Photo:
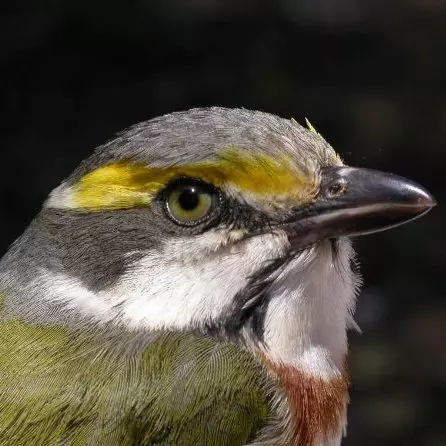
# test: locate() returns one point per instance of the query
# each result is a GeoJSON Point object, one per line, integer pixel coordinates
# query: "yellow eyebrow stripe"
{"type": "Point", "coordinates": [126, 185]}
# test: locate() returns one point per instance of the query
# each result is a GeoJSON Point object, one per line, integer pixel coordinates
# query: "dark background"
{"type": "Point", "coordinates": [370, 75]}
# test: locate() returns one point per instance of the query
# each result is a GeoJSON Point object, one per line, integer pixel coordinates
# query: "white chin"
{"type": "Point", "coordinates": [312, 303]}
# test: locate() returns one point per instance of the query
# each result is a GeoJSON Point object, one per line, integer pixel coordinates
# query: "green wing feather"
{"type": "Point", "coordinates": [73, 389]}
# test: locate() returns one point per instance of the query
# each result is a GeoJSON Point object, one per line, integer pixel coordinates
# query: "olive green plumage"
{"type": "Point", "coordinates": [62, 388]}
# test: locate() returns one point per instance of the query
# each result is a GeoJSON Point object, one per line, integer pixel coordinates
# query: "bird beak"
{"type": "Point", "coordinates": [355, 201]}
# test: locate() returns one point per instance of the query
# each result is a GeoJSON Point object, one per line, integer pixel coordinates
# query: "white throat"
{"type": "Point", "coordinates": [312, 305]}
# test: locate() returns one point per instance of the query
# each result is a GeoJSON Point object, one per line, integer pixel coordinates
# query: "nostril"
{"type": "Point", "coordinates": [337, 188]}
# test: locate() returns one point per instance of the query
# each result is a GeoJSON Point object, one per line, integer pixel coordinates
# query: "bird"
{"type": "Point", "coordinates": [191, 283]}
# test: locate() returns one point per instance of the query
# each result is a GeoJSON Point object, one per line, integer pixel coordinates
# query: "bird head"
{"type": "Point", "coordinates": [225, 221]}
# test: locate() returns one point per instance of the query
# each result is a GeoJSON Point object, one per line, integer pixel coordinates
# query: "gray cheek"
{"type": "Point", "coordinates": [97, 248]}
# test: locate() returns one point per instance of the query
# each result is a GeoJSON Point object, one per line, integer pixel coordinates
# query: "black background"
{"type": "Point", "coordinates": [370, 75]}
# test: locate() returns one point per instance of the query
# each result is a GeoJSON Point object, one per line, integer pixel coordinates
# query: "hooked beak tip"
{"type": "Point", "coordinates": [415, 198]}
{"type": "Point", "coordinates": [424, 201]}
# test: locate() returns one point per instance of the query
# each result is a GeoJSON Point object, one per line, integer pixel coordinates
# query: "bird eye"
{"type": "Point", "coordinates": [190, 202]}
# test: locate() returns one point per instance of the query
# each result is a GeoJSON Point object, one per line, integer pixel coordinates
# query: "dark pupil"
{"type": "Point", "coordinates": [189, 198]}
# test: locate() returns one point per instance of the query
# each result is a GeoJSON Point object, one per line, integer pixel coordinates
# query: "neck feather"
{"type": "Point", "coordinates": [310, 309]}
{"type": "Point", "coordinates": [306, 343]}
{"type": "Point", "coordinates": [316, 406]}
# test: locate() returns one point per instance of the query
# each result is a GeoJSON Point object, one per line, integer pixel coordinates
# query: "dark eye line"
{"type": "Point", "coordinates": [238, 215]}
{"type": "Point", "coordinates": [227, 211]}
